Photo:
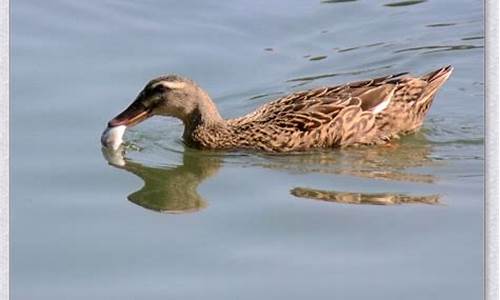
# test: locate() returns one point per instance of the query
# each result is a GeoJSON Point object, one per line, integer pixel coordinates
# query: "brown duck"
{"type": "Point", "coordinates": [359, 113]}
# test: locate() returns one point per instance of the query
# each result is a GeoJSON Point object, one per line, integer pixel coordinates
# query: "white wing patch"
{"type": "Point", "coordinates": [383, 105]}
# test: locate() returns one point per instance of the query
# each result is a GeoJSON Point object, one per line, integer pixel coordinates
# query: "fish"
{"type": "Point", "coordinates": [112, 137]}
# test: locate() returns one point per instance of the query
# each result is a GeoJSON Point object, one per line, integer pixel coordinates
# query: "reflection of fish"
{"type": "Point", "coordinates": [363, 198]}
{"type": "Point", "coordinates": [169, 190]}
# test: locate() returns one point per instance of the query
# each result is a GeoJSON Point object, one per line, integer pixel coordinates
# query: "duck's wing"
{"type": "Point", "coordinates": [317, 118]}
{"type": "Point", "coordinates": [342, 115]}
{"type": "Point", "coordinates": [323, 104]}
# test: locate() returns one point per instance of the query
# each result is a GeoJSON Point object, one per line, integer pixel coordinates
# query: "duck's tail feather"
{"type": "Point", "coordinates": [435, 80]}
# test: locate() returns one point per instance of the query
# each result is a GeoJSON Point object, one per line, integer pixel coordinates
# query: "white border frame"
{"type": "Point", "coordinates": [492, 113]}
{"type": "Point", "coordinates": [4, 149]}
{"type": "Point", "coordinates": [492, 167]}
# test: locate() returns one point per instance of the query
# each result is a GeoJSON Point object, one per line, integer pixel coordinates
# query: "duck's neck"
{"type": "Point", "coordinates": [204, 114]}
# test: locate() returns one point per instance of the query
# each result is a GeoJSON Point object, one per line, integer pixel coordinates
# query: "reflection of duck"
{"type": "Point", "coordinates": [363, 198]}
{"type": "Point", "coordinates": [379, 162]}
{"type": "Point", "coordinates": [174, 190]}
{"type": "Point", "coordinates": [169, 190]}
{"type": "Point", "coordinates": [364, 112]}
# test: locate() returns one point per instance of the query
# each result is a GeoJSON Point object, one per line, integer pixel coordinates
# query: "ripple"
{"type": "Point", "coordinates": [319, 57]}
{"type": "Point", "coordinates": [337, 1]}
{"type": "Point", "coordinates": [314, 77]}
{"type": "Point", "coordinates": [441, 25]}
{"type": "Point", "coordinates": [360, 47]}
{"type": "Point", "coordinates": [473, 38]}
{"type": "Point", "coordinates": [471, 141]}
{"type": "Point", "coordinates": [265, 95]}
{"type": "Point", "coordinates": [440, 48]}
{"type": "Point", "coordinates": [404, 3]}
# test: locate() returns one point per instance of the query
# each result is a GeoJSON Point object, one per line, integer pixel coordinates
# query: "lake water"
{"type": "Point", "coordinates": [241, 225]}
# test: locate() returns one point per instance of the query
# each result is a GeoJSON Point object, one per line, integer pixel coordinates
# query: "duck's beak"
{"type": "Point", "coordinates": [132, 115]}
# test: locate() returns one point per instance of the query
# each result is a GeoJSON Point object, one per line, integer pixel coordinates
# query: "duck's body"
{"type": "Point", "coordinates": [360, 113]}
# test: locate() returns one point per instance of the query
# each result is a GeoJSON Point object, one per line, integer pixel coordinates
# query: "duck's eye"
{"type": "Point", "coordinates": [160, 88]}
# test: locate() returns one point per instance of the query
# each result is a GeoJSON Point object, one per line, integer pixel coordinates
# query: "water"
{"type": "Point", "coordinates": [241, 225]}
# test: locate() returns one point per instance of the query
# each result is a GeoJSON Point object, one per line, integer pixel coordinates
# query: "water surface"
{"type": "Point", "coordinates": [167, 222]}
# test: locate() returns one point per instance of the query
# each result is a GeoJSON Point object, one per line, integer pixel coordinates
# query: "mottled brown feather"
{"type": "Point", "coordinates": [327, 117]}
{"type": "Point", "coordinates": [358, 113]}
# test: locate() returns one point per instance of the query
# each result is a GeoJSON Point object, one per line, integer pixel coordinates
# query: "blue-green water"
{"type": "Point", "coordinates": [241, 225]}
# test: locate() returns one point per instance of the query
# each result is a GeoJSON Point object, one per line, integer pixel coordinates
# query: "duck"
{"type": "Point", "coordinates": [368, 112]}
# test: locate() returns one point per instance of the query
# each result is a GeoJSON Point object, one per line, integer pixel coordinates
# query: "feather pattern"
{"type": "Point", "coordinates": [358, 113]}
{"type": "Point", "coordinates": [365, 112]}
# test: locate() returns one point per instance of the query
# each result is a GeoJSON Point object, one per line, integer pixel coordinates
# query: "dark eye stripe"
{"type": "Point", "coordinates": [159, 88]}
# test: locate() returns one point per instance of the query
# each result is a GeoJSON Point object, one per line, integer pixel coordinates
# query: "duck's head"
{"type": "Point", "coordinates": [169, 95]}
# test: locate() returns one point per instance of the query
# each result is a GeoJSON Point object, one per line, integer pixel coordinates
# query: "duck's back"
{"type": "Point", "coordinates": [364, 112]}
